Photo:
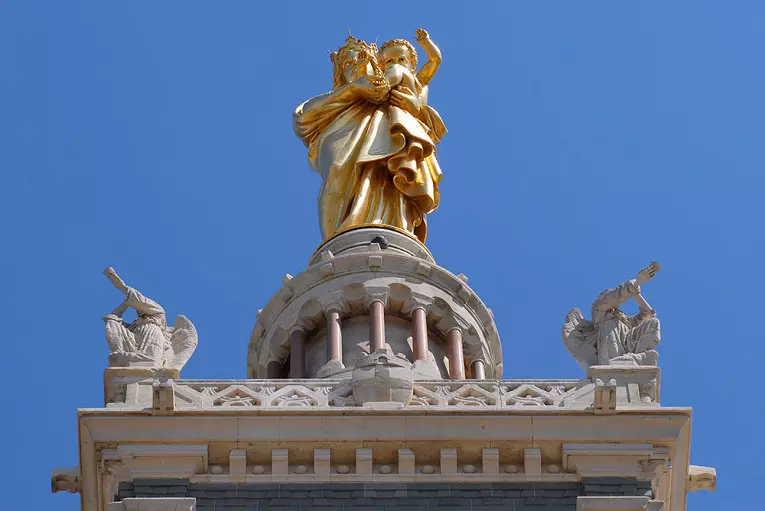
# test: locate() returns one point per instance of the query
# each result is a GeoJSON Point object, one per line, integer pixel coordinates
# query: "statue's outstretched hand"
{"type": "Point", "coordinates": [115, 279]}
{"type": "Point", "coordinates": [647, 273]}
{"type": "Point", "coordinates": [372, 88]}
{"type": "Point", "coordinates": [421, 34]}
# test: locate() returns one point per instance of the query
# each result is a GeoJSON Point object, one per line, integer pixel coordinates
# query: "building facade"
{"type": "Point", "coordinates": [375, 384]}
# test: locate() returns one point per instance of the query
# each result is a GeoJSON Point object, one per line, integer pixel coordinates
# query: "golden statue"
{"type": "Point", "coordinates": [372, 138]}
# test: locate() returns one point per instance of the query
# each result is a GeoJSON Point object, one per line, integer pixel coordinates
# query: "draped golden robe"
{"type": "Point", "coordinates": [377, 162]}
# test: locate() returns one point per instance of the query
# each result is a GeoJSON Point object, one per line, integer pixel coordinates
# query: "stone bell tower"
{"type": "Point", "coordinates": [374, 296]}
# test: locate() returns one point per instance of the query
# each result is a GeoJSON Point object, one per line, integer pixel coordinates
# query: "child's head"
{"type": "Point", "coordinates": [398, 51]}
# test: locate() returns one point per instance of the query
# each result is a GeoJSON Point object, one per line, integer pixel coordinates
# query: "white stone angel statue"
{"type": "Point", "coordinates": [147, 341]}
{"type": "Point", "coordinates": [612, 337]}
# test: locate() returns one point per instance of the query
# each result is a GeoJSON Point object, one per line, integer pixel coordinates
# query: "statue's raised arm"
{"type": "Point", "coordinates": [428, 70]}
{"type": "Point", "coordinates": [148, 341]}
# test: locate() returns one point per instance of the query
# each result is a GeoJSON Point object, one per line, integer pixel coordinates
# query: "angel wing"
{"type": "Point", "coordinates": [579, 338]}
{"type": "Point", "coordinates": [183, 342]}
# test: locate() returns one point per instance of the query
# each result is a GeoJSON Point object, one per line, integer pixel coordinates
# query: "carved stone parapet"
{"type": "Point", "coordinates": [337, 393]}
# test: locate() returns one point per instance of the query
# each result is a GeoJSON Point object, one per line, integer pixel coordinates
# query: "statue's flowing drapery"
{"type": "Point", "coordinates": [377, 163]}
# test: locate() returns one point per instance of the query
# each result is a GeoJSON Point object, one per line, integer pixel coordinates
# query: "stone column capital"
{"type": "Point", "coordinates": [335, 304]}
{"type": "Point", "coordinates": [417, 301]}
{"type": "Point", "coordinates": [452, 322]}
{"type": "Point", "coordinates": [376, 294]}
{"type": "Point", "coordinates": [302, 325]}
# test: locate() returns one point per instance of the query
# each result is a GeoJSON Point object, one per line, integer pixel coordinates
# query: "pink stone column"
{"type": "Point", "coordinates": [376, 325]}
{"type": "Point", "coordinates": [456, 360]}
{"type": "Point", "coordinates": [274, 370]}
{"type": "Point", "coordinates": [419, 334]}
{"type": "Point", "coordinates": [334, 336]}
{"type": "Point", "coordinates": [297, 353]}
{"type": "Point", "coordinates": [479, 370]}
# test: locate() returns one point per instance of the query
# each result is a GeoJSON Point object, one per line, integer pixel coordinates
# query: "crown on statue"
{"type": "Point", "coordinates": [341, 57]}
{"type": "Point", "coordinates": [351, 43]}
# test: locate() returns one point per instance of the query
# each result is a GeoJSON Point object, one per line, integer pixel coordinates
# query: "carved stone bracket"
{"type": "Point", "coordinates": [608, 460]}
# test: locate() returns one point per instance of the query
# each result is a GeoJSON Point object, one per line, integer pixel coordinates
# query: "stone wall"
{"type": "Point", "coordinates": [384, 496]}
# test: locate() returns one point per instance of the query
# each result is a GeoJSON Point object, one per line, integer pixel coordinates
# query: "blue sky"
{"type": "Point", "coordinates": [585, 140]}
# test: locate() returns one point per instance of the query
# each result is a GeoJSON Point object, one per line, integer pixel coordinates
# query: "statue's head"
{"type": "Point", "coordinates": [398, 51]}
{"type": "Point", "coordinates": [354, 60]}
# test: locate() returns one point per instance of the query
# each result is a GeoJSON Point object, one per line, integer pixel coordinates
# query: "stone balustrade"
{"type": "Point", "coordinates": [607, 389]}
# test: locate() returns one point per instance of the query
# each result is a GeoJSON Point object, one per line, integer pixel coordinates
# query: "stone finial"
{"type": "Point", "coordinates": [148, 341]}
{"type": "Point", "coordinates": [612, 337]}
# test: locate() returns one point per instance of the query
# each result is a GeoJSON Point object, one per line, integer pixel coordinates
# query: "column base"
{"type": "Point", "coordinates": [424, 370]}
{"type": "Point", "coordinates": [331, 368]}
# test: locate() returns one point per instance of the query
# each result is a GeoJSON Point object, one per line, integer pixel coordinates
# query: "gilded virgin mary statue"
{"type": "Point", "coordinates": [372, 138]}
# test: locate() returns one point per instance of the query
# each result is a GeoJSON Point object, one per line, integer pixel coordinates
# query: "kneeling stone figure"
{"type": "Point", "coordinates": [612, 337]}
{"type": "Point", "coordinates": [147, 341]}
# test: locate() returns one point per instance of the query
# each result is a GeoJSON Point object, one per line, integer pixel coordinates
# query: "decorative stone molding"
{"type": "Point", "coordinates": [321, 393]}
{"type": "Point", "coordinates": [615, 503]}
{"type": "Point", "coordinates": [362, 240]}
{"type": "Point", "coordinates": [151, 460]}
{"type": "Point", "coordinates": [608, 460]}
{"type": "Point", "coordinates": [155, 504]}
